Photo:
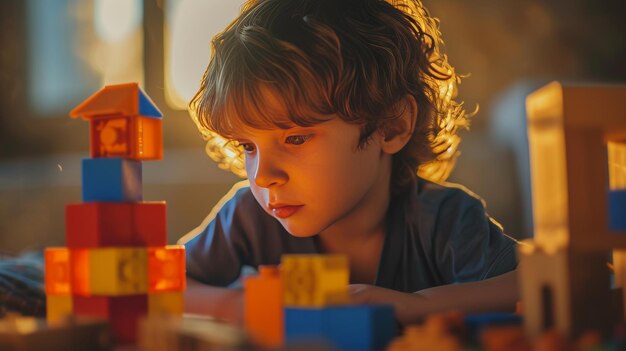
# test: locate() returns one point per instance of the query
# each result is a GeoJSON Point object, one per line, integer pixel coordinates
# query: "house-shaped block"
{"type": "Point", "coordinates": [124, 122]}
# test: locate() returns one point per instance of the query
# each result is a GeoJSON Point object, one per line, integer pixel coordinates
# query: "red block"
{"type": "Point", "coordinates": [123, 312]}
{"type": "Point", "coordinates": [101, 224]}
{"type": "Point", "coordinates": [166, 268]}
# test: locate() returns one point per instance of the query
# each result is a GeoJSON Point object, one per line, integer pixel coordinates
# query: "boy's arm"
{"type": "Point", "coordinates": [499, 293]}
{"type": "Point", "coordinates": [221, 303]}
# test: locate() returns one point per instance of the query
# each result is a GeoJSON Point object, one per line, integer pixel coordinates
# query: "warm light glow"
{"type": "Point", "coordinates": [189, 27]}
{"type": "Point", "coordinates": [549, 184]}
{"type": "Point", "coordinates": [617, 165]}
{"type": "Point", "coordinates": [116, 20]}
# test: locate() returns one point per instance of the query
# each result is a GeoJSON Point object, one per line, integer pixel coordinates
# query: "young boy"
{"type": "Point", "coordinates": [335, 104]}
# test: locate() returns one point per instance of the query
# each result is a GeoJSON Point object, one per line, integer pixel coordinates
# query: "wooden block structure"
{"type": "Point", "coordinates": [306, 300]}
{"type": "Point", "coordinates": [577, 141]}
{"type": "Point", "coordinates": [117, 265]}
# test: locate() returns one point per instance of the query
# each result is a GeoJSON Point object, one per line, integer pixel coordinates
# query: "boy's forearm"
{"type": "Point", "coordinates": [495, 294]}
{"type": "Point", "coordinates": [222, 303]}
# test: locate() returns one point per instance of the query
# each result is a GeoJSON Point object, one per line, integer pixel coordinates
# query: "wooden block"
{"type": "Point", "coordinates": [166, 268]}
{"type": "Point", "coordinates": [104, 224]}
{"type": "Point", "coordinates": [315, 280]}
{"type": "Point", "coordinates": [118, 271]}
{"type": "Point", "coordinates": [111, 180]}
{"type": "Point", "coordinates": [263, 307]}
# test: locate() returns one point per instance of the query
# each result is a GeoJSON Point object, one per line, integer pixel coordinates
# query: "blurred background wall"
{"type": "Point", "coordinates": [55, 53]}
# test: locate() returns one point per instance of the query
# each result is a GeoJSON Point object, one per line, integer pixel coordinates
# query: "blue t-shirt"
{"type": "Point", "coordinates": [435, 235]}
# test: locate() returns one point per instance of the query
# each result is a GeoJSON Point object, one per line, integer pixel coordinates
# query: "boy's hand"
{"type": "Point", "coordinates": [405, 305]}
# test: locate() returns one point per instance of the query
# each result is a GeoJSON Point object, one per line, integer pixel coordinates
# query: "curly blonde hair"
{"type": "Point", "coordinates": [352, 58]}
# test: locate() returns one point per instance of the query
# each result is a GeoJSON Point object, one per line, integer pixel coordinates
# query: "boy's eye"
{"type": "Point", "coordinates": [297, 139]}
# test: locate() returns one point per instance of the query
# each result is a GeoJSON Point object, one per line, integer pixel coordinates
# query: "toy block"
{"type": "Point", "coordinates": [556, 288]}
{"type": "Point", "coordinates": [505, 338]}
{"type": "Point", "coordinates": [103, 224]}
{"type": "Point", "coordinates": [617, 210]}
{"type": "Point", "coordinates": [166, 268]}
{"type": "Point", "coordinates": [438, 332]}
{"type": "Point", "coordinates": [118, 271]}
{"type": "Point", "coordinates": [263, 307]}
{"type": "Point", "coordinates": [166, 303]}
{"type": "Point", "coordinates": [58, 307]}
{"type": "Point", "coordinates": [315, 280]}
{"type": "Point", "coordinates": [30, 334]}
{"type": "Point", "coordinates": [475, 324]}
{"type": "Point", "coordinates": [367, 327]}
{"type": "Point", "coordinates": [123, 312]}
{"type": "Point", "coordinates": [57, 271]}
{"type": "Point", "coordinates": [80, 272]}
{"type": "Point", "coordinates": [123, 123]}
{"type": "Point", "coordinates": [111, 180]}
{"type": "Point", "coordinates": [572, 131]}
{"type": "Point", "coordinates": [616, 153]}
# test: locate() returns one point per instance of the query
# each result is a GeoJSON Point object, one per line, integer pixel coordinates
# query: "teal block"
{"type": "Point", "coordinates": [348, 327]}
{"type": "Point", "coordinates": [111, 180]}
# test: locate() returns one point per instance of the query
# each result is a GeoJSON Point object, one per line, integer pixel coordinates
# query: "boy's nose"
{"type": "Point", "coordinates": [267, 171]}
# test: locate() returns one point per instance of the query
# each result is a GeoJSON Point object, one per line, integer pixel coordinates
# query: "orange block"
{"type": "Point", "coordinates": [124, 123]}
{"type": "Point", "coordinates": [166, 268]}
{"type": "Point", "coordinates": [263, 307]}
{"type": "Point", "coordinates": [57, 271]}
{"type": "Point", "coordinates": [133, 137]}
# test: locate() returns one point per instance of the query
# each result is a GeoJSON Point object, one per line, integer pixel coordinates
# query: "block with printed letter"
{"type": "Point", "coordinates": [123, 312]}
{"type": "Point", "coordinates": [111, 180]}
{"type": "Point", "coordinates": [166, 268]}
{"type": "Point", "coordinates": [123, 123]}
{"type": "Point", "coordinates": [57, 275]}
{"type": "Point", "coordinates": [102, 224]}
{"type": "Point", "coordinates": [166, 303]}
{"type": "Point", "coordinates": [315, 280]}
{"type": "Point", "coordinates": [263, 307]}
{"type": "Point", "coordinates": [118, 271]}
{"type": "Point", "coordinates": [348, 327]}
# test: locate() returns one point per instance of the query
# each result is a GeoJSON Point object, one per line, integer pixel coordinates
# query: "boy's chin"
{"type": "Point", "coordinates": [300, 232]}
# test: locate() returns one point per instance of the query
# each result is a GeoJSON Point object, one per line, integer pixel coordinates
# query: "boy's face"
{"type": "Point", "coordinates": [312, 178]}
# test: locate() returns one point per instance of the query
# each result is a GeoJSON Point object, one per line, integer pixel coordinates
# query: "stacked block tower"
{"type": "Point", "coordinates": [306, 300]}
{"type": "Point", "coordinates": [577, 139]}
{"type": "Point", "coordinates": [116, 264]}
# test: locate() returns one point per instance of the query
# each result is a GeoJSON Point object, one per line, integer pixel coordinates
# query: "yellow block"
{"type": "Point", "coordinates": [315, 280]}
{"type": "Point", "coordinates": [58, 307]}
{"type": "Point", "coordinates": [168, 303]}
{"type": "Point", "coordinates": [118, 271]}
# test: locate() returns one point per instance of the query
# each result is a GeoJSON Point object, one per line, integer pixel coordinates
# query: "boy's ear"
{"type": "Point", "coordinates": [398, 133]}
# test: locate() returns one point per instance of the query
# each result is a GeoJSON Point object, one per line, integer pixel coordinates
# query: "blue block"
{"type": "Point", "coordinates": [111, 180]}
{"type": "Point", "coordinates": [475, 323]}
{"type": "Point", "coordinates": [617, 210]}
{"type": "Point", "coordinates": [369, 327]}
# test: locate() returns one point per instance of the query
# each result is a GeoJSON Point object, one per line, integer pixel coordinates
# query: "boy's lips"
{"type": "Point", "coordinates": [284, 210]}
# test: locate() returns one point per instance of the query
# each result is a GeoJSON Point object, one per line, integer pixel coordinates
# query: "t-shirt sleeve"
{"type": "Point", "coordinates": [469, 245]}
{"type": "Point", "coordinates": [216, 250]}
